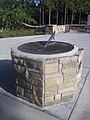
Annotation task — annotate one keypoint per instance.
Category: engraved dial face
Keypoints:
(39, 47)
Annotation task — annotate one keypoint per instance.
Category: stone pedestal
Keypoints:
(47, 81)
(57, 28)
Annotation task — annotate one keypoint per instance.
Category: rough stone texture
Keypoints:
(29, 78)
(48, 81)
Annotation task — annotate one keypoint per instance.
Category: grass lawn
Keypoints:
(19, 32)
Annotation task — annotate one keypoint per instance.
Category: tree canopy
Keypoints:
(36, 12)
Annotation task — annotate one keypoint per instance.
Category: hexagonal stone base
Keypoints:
(47, 81)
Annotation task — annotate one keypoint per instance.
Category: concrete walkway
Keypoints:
(11, 109)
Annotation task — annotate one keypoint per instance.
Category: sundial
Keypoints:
(46, 47)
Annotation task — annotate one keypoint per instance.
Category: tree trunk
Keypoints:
(43, 11)
(57, 18)
(67, 18)
(79, 17)
(40, 17)
(72, 18)
(49, 16)
(43, 16)
(65, 14)
(62, 19)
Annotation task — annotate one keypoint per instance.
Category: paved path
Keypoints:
(10, 109)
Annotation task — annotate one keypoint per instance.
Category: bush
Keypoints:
(19, 32)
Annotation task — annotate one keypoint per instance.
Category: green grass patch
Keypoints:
(19, 32)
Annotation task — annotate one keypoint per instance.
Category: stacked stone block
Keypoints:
(47, 81)
(29, 79)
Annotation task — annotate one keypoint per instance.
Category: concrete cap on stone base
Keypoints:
(43, 56)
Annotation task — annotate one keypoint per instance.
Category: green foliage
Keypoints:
(19, 32)
(14, 12)
(12, 17)
(72, 5)
(50, 4)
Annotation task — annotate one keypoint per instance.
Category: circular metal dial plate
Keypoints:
(53, 47)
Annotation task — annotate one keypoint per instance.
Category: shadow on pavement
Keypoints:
(7, 80)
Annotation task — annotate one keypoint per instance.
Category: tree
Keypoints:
(57, 6)
(73, 8)
(7, 3)
(14, 12)
(13, 17)
(50, 4)
(82, 6)
(40, 10)
(43, 11)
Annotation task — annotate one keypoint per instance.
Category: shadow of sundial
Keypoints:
(7, 80)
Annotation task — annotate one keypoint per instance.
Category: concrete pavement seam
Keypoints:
(79, 95)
